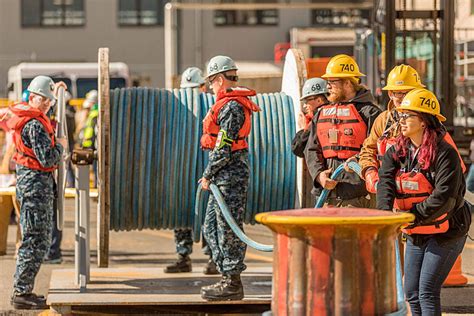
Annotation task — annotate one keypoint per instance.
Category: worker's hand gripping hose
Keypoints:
(324, 195)
(402, 310)
(228, 217)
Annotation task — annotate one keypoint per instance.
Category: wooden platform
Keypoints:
(149, 290)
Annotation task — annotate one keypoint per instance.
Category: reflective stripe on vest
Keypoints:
(211, 129)
(413, 188)
(341, 131)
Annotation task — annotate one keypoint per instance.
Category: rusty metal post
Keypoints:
(334, 261)
(103, 211)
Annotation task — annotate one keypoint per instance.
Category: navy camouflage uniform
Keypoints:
(230, 172)
(35, 193)
(183, 238)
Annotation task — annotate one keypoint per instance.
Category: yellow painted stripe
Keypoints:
(269, 218)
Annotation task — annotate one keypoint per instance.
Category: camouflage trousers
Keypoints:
(183, 238)
(228, 251)
(36, 213)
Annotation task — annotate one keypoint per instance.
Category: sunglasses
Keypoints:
(404, 116)
(228, 77)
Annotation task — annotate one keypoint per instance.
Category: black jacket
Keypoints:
(445, 174)
(298, 144)
(350, 185)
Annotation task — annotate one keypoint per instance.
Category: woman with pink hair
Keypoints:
(422, 174)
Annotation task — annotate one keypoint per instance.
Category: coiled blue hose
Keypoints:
(156, 159)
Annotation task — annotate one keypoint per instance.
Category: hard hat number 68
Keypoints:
(347, 67)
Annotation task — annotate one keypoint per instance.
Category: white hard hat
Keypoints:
(192, 78)
(92, 98)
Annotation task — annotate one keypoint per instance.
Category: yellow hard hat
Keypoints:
(403, 77)
(421, 100)
(342, 66)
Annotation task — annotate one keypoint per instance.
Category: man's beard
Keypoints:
(337, 96)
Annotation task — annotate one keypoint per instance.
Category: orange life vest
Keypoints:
(25, 156)
(341, 131)
(211, 128)
(412, 188)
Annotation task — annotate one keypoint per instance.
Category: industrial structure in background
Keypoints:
(379, 33)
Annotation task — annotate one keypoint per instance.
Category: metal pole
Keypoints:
(61, 131)
(390, 37)
(447, 56)
(171, 65)
(82, 250)
(268, 6)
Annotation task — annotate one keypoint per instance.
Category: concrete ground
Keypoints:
(150, 248)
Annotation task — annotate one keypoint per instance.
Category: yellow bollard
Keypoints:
(334, 261)
(6, 207)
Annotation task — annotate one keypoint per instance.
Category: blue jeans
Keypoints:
(470, 179)
(426, 268)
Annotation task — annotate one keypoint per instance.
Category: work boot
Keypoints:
(28, 301)
(230, 288)
(210, 268)
(182, 265)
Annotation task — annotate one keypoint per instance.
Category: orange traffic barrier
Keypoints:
(455, 276)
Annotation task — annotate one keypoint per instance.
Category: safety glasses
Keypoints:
(211, 80)
(404, 116)
(399, 94)
(333, 82)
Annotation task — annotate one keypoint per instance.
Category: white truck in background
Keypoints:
(79, 77)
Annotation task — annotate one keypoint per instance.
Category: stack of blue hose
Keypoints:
(156, 159)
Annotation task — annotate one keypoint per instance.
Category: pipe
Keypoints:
(61, 132)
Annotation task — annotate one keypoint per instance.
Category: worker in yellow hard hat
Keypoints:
(422, 174)
(338, 131)
(401, 80)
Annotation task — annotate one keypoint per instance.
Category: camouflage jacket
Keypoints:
(230, 119)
